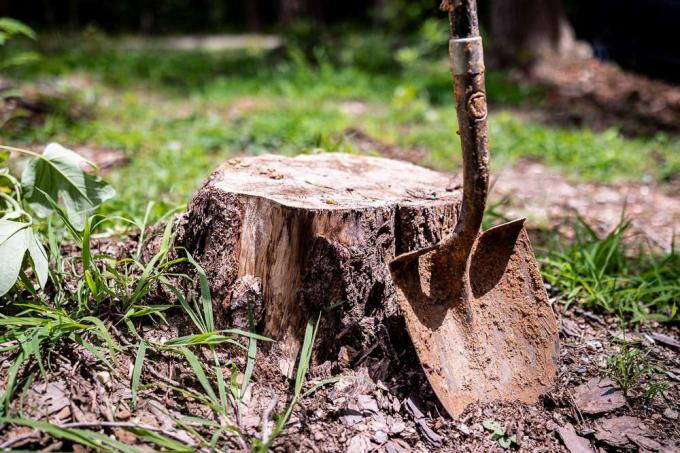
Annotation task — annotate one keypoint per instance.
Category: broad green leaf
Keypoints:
(506, 442)
(19, 59)
(13, 246)
(62, 174)
(16, 238)
(494, 427)
(39, 257)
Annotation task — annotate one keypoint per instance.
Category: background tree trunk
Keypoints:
(289, 10)
(523, 31)
(253, 15)
(73, 14)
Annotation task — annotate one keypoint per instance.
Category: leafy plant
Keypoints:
(57, 174)
(10, 29)
(61, 174)
(498, 434)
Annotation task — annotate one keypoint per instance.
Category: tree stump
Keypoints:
(283, 239)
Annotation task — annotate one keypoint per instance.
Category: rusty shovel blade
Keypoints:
(496, 339)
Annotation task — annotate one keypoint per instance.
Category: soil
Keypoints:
(394, 411)
(384, 401)
(599, 95)
(550, 200)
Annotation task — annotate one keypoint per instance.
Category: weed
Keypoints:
(499, 435)
(632, 369)
(11, 29)
(605, 273)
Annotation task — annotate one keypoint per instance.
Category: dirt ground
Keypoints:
(384, 403)
(600, 95)
(548, 199)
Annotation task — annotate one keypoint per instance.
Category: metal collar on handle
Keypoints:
(467, 56)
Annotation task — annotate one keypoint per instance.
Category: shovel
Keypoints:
(474, 304)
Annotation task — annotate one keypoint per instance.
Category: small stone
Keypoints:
(367, 403)
(397, 427)
(463, 428)
(380, 437)
(670, 414)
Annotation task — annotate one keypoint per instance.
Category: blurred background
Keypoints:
(582, 95)
(640, 35)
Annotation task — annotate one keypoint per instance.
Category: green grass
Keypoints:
(632, 368)
(177, 115)
(88, 294)
(607, 274)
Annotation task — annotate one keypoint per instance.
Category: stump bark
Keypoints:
(283, 239)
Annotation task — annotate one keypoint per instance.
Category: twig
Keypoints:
(162, 377)
(15, 440)
(266, 432)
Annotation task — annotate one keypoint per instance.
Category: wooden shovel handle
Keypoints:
(467, 67)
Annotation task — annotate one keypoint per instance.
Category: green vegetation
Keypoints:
(175, 116)
(498, 434)
(632, 369)
(83, 295)
(11, 29)
(606, 273)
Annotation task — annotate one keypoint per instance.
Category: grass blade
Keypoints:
(200, 374)
(137, 371)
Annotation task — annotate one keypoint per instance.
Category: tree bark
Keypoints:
(289, 10)
(523, 31)
(286, 238)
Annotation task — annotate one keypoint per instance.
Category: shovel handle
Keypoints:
(467, 67)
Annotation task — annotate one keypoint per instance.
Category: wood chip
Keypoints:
(666, 340)
(645, 443)
(434, 438)
(367, 403)
(574, 442)
(616, 431)
(570, 328)
(359, 444)
(598, 396)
